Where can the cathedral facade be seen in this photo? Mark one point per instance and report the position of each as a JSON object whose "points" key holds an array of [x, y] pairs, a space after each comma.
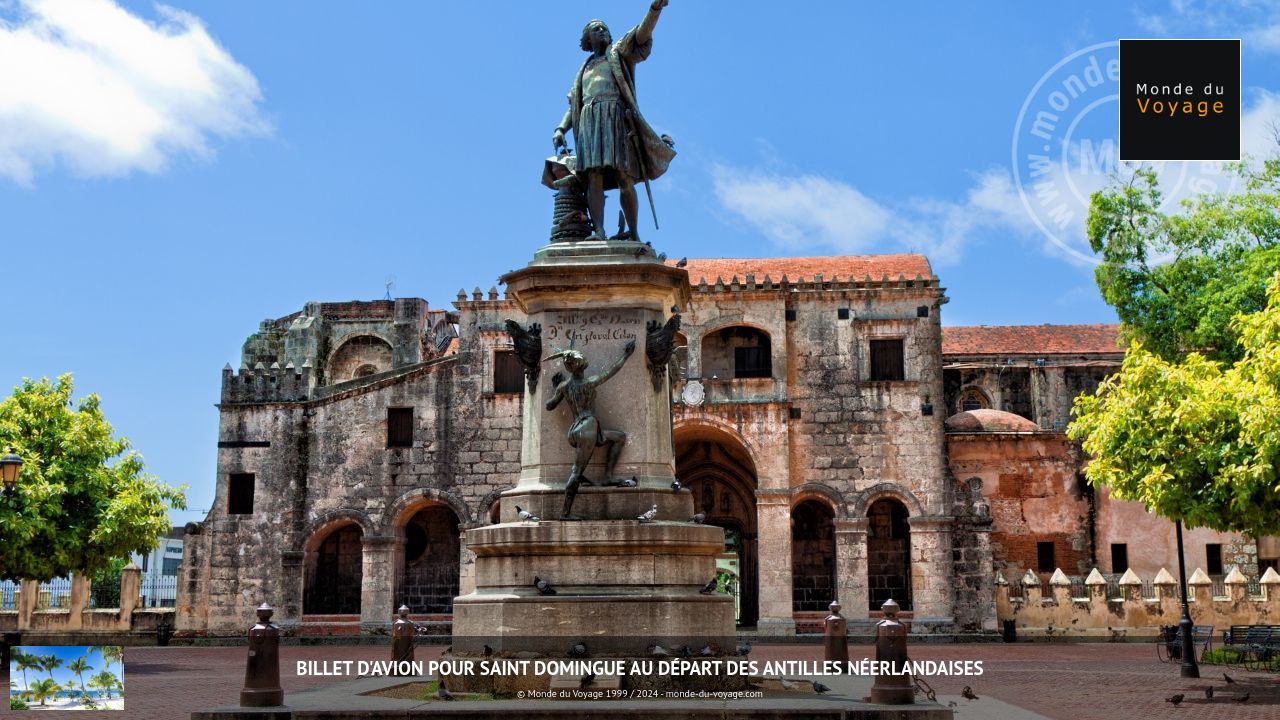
{"points": [[851, 447]]}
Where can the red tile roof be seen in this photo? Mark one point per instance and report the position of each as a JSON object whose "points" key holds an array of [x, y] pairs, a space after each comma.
{"points": [[795, 268], [1031, 340]]}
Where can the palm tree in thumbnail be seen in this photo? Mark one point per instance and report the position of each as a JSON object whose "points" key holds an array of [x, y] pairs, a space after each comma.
{"points": [[105, 680], [44, 689], [79, 666]]}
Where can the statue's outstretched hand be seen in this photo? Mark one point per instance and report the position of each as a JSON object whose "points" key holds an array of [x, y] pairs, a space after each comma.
{"points": [[557, 140], [630, 347], [658, 4]]}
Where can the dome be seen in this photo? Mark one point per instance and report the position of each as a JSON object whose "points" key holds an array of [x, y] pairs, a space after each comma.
{"points": [[975, 421]]}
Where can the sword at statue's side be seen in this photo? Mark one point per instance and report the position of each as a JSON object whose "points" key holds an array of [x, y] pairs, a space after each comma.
{"points": [[644, 171]]}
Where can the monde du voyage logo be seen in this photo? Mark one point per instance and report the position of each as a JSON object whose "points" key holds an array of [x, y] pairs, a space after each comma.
{"points": [[1179, 100]]}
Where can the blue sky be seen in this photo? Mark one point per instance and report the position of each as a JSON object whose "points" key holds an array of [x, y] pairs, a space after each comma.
{"points": [[64, 677], [172, 175]]}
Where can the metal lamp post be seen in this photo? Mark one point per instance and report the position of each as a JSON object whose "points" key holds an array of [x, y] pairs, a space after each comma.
{"points": [[10, 465], [1189, 667]]}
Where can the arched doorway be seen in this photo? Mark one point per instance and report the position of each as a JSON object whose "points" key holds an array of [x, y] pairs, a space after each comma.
{"points": [[813, 556], [429, 568], [719, 472], [888, 554], [334, 571]]}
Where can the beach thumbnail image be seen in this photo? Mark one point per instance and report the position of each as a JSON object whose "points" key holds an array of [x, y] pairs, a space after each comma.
{"points": [[66, 677]]}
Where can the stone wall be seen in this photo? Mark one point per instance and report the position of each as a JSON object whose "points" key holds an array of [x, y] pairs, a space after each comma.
{"points": [[1031, 483], [1092, 611]]}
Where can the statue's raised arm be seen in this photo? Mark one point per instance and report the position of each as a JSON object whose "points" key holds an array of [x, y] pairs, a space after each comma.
{"points": [[644, 33], [616, 366]]}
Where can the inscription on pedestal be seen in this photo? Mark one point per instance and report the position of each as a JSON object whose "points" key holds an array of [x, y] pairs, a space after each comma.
{"points": [[587, 327]]}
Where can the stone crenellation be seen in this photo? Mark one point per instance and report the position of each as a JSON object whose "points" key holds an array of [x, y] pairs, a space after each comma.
{"points": [[1127, 609]]}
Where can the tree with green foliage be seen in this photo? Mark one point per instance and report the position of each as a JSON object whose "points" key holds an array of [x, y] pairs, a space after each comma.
{"points": [[1176, 279], [1196, 439], [105, 680], [44, 689], [49, 663], [24, 661], [83, 498], [80, 666], [110, 654]]}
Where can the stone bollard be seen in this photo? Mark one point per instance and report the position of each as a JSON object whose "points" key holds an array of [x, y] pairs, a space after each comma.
{"points": [[835, 639], [262, 669], [402, 631], [891, 647]]}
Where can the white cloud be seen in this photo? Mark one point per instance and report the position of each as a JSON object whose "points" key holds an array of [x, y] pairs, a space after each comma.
{"points": [[802, 212], [86, 84], [1259, 125]]}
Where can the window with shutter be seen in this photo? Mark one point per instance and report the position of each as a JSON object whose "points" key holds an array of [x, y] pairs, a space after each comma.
{"points": [[508, 376], [886, 360], [399, 427]]}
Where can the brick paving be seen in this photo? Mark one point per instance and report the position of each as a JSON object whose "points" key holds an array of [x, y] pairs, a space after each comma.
{"points": [[1079, 682]]}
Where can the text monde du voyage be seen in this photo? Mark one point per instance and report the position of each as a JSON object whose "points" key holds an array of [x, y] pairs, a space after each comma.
{"points": [[1179, 99]]}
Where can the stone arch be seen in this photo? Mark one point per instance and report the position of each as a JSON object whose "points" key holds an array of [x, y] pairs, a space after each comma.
{"points": [[331, 519], [863, 499], [824, 493], [973, 397], [333, 562], [888, 552], [737, 350], [813, 554], [488, 508], [427, 523], [356, 354], [411, 501], [719, 468]]}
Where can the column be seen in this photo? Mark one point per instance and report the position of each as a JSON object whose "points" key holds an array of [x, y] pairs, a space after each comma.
{"points": [[773, 527], [932, 588], [377, 586], [291, 588], [851, 567]]}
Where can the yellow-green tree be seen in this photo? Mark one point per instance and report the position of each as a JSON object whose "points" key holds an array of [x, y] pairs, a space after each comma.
{"points": [[83, 497], [1194, 439]]}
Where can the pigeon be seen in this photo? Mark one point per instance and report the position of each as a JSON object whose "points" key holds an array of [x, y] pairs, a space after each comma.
{"points": [[544, 587], [578, 650], [658, 651], [629, 482], [786, 684], [488, 651], [675, 485], [640, 251], [1241, 698], [1208, 692], [967, 693], [443, 692], [587, 680], [648, 516], [675, 309], [682, 262], [526, 515], [1176, 699], [699, 518], [706, 651], [1228, 679], [709, 588], [820, 688], [744, 648], [666, 140], [686, 651]]}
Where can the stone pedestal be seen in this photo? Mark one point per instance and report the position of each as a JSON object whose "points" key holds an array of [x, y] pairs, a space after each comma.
{"points": [[621, 585]]}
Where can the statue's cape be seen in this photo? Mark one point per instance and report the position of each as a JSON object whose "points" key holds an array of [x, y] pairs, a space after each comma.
{"points": [[622, 57]]}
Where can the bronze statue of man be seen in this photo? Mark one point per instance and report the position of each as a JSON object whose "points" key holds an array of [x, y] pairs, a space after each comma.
{"points": [[586, 433], [616, 147]]}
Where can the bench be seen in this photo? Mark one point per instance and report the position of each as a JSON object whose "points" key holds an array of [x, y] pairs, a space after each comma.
{"points": [[1254, 646], [1169, 643]]}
